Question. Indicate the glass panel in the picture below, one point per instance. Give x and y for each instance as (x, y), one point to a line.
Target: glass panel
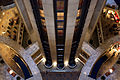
(43, 22)
(59, 26)
(60, 18)
(80, 3)
(60, 15)
(60, 32)
(40, 3)
(79, 13)
(42, 13)
(77, 22)
(60, 5)
(60, 40)
(60, 23)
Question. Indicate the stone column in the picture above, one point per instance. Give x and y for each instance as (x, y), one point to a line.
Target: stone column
(70, 26)
(25, 9)
(97, 12)
(50, 25)
(94, 11)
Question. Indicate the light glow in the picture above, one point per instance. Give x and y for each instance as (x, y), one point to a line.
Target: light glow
(66, 63)
(11, 71)
(115, 50)
(54, 64)
(3, 13)
(3, 32)
(43, 59)
(85, 73)
(60, 49)
(110, 70)
(119, 50)
(110, 11)
(76, 59)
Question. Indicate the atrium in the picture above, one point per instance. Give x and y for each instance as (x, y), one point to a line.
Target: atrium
(59, 39)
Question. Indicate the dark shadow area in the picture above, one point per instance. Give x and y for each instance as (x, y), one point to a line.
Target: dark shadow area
(97, 66)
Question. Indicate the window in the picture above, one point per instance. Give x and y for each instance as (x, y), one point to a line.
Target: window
(60, 40)
(77, 22)
(42, 13)
(60, 18)
(60, 15)
(79, 13)
(60, 32)
(59, 26)
(60, 5)
(43, 22)
(80, 3)
(60, 23)
(40, 3)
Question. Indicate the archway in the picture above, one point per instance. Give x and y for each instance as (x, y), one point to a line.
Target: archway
(16, 57)
(105, 61)
(95, 56)
(15, 61)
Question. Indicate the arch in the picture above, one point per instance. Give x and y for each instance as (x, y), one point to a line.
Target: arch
(18, 56)
(95, 56)
(14, 61)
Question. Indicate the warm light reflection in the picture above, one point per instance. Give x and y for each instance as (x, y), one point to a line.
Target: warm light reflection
(77, 22)
(118, 50)
(60, 18)
(109, 11)
(104, 10)
(66, 63)
(60, 31)
(43, 59)
(43, 22)
(11, 71)
(60, 13)
(110, 70)
(3, 32)
(54, 64)
(42, 13)
(76, 59)
(113, 15)
(114, 49)
(3, 13)
(78, 13)
(60, 5)
(60, 23)
(59, 26)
